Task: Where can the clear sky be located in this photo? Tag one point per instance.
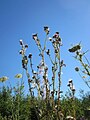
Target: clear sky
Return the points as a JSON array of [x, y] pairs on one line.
[[20, 18]]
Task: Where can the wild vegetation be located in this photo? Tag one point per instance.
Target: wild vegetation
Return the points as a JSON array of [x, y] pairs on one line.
[[45, 100]]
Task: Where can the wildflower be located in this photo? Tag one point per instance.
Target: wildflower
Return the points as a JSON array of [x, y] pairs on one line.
[[4, 78], [35, 37], [77, 69], [21, 42], [56, 35], [47, 30], [18, 76]]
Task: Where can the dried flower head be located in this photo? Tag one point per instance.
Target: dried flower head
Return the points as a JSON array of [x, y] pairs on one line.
[[30, 55], [26, 46], [56, 35], [70, 80], [75, 48], [50, 39], [3, 79], [21, 52], [35, 36], [21, 42], [48, 52], [47, 30]]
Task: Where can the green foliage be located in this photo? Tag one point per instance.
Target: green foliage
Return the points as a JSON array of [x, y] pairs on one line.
[[35, 108]]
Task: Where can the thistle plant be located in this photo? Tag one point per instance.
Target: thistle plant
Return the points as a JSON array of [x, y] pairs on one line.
[[72, 89], [80, 56], [46, 88], [44, 79]]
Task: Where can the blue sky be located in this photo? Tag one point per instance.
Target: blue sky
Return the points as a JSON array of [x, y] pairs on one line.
[[20, 18]]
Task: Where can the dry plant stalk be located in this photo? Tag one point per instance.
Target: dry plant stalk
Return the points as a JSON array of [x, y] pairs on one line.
[[46, 91]]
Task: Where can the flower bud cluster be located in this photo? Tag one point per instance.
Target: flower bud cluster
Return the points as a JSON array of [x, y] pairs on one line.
[[22, 52], [46, 29], [35, 37]]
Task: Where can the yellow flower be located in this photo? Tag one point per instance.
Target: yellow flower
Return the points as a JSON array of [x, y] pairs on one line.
[[18, 76], [4, 78]]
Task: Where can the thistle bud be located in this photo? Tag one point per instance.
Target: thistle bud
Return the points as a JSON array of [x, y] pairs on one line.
[[48, 52], [70, 81], [77, 69], [50, 39], [68, 84], [56, 35], [21, 52], [46, 29], [26, 46], [21, 42], [30, 55], [34, 36]]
